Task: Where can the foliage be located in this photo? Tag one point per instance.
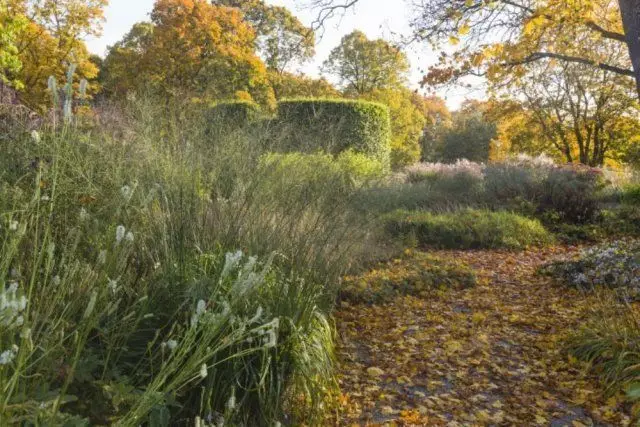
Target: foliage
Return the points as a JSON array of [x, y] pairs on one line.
[[407, 124], [286, 85], [491, 354], [467, 136], [362, 65], [414, 274], [191, 48], [574, 112], [49, 38], [231, 115], [612, 265], [335, 125], [118, 235], [631, 195], [571, 193], [608, 343], [469, 229], [10, 27]]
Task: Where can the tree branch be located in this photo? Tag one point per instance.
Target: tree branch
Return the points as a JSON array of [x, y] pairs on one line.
[[536, 56]]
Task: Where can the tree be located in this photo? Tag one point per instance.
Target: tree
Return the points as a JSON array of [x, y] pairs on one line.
[[407, 123], [468, 136], [576, 108], [10, 27], [288, 85], [630, 12], [362, 65], [489, 36], [50, 40], [437, 117], [282, 40], [191, 48]]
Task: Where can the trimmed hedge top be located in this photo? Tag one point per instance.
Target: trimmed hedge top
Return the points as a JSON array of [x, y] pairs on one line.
[[335, 125], [234, 113]]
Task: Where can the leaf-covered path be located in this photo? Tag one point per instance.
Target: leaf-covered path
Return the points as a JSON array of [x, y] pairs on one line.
[[488, 355]]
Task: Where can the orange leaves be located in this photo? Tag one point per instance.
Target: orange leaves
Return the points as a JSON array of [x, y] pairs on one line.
[[488, 355], [192, 46]]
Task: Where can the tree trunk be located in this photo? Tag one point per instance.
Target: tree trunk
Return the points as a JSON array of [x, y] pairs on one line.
[[630, 10]]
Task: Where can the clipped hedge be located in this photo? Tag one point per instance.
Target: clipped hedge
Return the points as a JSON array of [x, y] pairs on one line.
[[334, 126], [235, 114], [468, 229]]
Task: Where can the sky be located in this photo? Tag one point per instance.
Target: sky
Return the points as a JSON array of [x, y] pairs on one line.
[[376, 18]]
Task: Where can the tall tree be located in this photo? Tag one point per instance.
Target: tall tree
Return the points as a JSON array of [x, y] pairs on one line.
[[191, 48], [282, 40], [362, 65], [50, 41], [630, 12], [495, 34]]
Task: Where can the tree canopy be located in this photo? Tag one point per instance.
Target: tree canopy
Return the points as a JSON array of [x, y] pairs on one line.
[[362, 65]]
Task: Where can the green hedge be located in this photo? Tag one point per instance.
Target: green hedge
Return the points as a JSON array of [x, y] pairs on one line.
[[334, 126], [468, 229], [233, 114]]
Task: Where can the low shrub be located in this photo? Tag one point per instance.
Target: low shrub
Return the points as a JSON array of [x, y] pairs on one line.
[[427, 171], [572, 193], [631, 195], [468, 229], [416, 273], [613, 265]]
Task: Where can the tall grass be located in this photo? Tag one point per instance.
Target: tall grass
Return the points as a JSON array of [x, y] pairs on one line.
[[158, 269]]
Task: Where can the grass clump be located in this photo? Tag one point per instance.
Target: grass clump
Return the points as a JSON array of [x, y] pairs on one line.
[[468, 229], [609, 343], [416, 273], [152, 274]]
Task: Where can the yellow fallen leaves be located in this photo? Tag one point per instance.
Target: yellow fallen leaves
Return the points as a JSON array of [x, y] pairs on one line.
[[488, 355]]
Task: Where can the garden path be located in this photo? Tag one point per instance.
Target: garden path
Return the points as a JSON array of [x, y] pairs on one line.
[[488, 355]]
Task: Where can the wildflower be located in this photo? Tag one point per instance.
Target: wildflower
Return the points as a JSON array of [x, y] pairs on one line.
[[13, 225], [112, 285], [56, 280], [203, 371], [83, 214], [7, 356], [231, 261], [201, 307], [45, 198], [120, 232], [129, 237], [102, 257], [91, 305], [13, 287], [126, 192], [35, 136], [231, 403], [172, 344]]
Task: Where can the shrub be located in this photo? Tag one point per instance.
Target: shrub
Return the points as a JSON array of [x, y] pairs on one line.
[[427, 171], [571, 193], [613, 265], [414, 274], [334, 126], [469, 229], [631, 195], [233, 114]]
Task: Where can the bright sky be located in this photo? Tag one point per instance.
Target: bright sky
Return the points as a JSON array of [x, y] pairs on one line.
[[376, 18]]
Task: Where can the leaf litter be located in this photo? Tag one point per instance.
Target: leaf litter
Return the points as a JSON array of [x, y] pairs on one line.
[[491, 354]]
